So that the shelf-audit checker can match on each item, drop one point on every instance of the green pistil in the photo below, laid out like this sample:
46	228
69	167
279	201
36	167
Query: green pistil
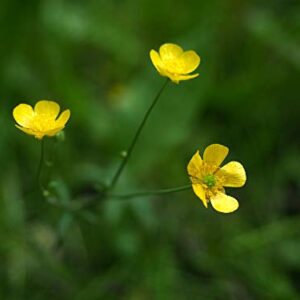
209	180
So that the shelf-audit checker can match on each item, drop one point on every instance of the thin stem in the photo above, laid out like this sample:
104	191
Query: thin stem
50	162
40	167
135	138
151	193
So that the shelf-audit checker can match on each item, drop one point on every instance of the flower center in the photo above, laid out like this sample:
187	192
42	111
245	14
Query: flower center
209	180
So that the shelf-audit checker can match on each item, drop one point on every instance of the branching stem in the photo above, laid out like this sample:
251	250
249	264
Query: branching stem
135	138
151	193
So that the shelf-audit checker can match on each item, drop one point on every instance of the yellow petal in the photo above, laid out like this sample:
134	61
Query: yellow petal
233	174
224	203
54	131
63	118
23	114
39	135
194	166
200	192
47	108
215	154
189	61
176	77
170	51
156	60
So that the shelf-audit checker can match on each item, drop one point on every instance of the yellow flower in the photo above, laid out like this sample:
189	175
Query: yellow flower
173	62
209	179
42	120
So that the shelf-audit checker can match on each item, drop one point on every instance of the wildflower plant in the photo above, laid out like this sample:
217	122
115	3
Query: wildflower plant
42	120
208	178
172	62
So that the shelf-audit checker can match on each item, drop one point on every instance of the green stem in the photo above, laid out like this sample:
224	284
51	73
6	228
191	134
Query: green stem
135	138
40	167
50	162
151	193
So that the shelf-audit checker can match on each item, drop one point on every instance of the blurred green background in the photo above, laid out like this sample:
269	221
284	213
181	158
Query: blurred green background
93	57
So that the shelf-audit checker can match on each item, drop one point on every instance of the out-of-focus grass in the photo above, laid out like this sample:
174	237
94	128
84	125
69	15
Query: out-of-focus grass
92	57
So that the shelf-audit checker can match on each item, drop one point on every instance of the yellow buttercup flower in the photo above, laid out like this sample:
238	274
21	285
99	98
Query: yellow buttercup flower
209	179
173	62
42	120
